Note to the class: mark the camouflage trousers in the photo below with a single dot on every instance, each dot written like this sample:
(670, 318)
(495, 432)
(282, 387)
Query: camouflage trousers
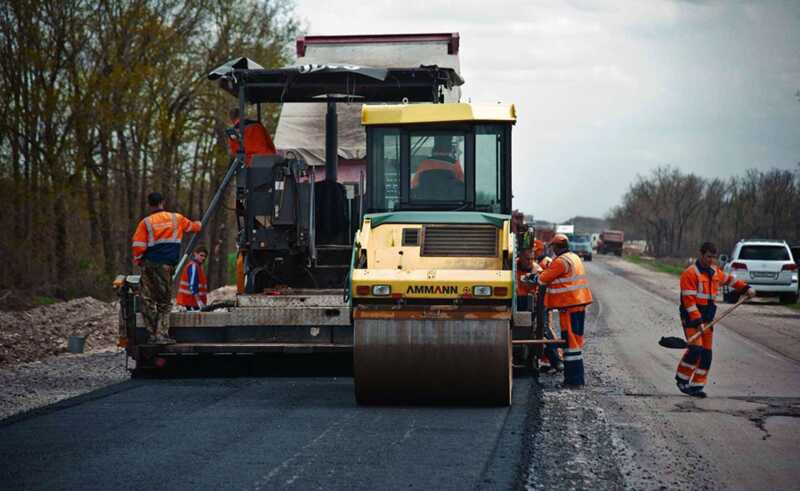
(156, 295)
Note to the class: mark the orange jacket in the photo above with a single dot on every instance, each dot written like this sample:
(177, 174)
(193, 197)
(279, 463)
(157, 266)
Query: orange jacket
(567, 285)
(524, 289)
(699, 288)
(545, 262)
(256, 140)
(434, 164)
(158, 237)
(193, 286)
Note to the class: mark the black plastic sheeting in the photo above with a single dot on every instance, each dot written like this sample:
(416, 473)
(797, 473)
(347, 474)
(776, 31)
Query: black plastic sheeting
(320, 83)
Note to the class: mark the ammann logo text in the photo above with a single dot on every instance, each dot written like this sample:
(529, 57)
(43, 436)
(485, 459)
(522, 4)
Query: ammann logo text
(432, 290)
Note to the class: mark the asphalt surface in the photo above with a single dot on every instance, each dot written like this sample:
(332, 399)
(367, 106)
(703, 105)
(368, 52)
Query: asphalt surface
(743, 436)
(293, 423)
(292, 427)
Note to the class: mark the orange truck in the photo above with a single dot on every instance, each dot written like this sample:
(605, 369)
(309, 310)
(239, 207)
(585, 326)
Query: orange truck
(611, 242)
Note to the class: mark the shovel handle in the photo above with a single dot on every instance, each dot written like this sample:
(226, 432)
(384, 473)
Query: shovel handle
(699, 333)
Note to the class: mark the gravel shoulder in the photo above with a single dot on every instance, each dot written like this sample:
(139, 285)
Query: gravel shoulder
(28, 386)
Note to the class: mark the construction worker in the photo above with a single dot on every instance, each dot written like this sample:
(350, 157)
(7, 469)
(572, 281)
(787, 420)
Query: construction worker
(193, 287)
(526, 295)
(441, 158)
(542, 259)
(699, 286)
(156, 249)
(568, 292)
(256, 139)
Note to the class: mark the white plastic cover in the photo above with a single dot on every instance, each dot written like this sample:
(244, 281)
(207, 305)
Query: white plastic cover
(301, 126)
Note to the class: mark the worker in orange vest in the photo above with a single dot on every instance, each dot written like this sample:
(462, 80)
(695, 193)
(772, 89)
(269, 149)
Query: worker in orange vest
(156, 248)
(568, 291)
(256, 139)
(441, 158)
(699, 287)
(526, 294)
(542, 259)
(193, 287)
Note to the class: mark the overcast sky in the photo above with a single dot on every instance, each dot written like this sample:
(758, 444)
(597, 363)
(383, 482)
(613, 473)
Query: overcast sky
(607, 90)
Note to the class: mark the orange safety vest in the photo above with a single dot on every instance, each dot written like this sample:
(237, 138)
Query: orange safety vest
(698, 291)
(524, 289)
(158, 237)
(256, 140)
(193, 273)
(567, 285)
(434, 164)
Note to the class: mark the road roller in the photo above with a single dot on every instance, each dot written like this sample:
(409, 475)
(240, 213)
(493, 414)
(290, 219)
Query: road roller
(433, 280)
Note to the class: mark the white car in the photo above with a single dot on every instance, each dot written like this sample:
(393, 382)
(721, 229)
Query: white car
(767, 266)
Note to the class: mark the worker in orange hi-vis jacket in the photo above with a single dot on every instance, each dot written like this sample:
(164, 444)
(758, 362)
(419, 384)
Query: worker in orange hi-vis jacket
(441, 158)
(541, 258)
(568, 292)
(526, 292)
(193, 286)
(156, 248)
(256, 139)
(699, 287)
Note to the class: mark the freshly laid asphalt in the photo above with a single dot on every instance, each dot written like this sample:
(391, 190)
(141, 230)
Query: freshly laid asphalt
(288, 428)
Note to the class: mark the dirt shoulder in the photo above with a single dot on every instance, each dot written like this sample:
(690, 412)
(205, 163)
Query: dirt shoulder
(763, 321)
(42, 332)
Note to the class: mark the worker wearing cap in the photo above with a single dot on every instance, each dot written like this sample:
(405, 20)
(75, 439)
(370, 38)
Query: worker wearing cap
(699, 286)
(568, 292)
(256, 139)
(441, 159)
(193, 287)
(156, 248)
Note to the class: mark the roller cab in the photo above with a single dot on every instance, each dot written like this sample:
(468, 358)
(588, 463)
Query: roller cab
(432, 278)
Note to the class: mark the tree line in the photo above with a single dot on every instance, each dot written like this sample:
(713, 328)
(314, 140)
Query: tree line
(105, 101)
(676, 211)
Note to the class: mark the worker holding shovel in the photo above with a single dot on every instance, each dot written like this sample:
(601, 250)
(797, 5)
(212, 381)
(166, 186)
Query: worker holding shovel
(699, 286)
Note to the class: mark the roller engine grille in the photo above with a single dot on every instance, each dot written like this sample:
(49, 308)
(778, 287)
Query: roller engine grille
(459, 241)
(411, 236)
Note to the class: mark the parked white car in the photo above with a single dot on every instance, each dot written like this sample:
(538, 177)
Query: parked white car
(767, 266)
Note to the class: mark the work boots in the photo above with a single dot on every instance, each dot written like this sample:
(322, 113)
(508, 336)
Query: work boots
(692, 391)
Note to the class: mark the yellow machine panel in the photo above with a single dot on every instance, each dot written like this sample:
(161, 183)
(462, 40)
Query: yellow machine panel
(436, 113)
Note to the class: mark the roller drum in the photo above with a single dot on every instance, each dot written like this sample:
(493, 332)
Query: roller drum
(432, 361)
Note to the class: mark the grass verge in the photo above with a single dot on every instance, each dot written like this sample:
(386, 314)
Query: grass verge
(655, 264)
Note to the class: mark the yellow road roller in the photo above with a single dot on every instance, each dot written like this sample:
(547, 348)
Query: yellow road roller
(432, 278)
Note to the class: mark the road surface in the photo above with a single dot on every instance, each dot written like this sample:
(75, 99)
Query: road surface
(294, 424)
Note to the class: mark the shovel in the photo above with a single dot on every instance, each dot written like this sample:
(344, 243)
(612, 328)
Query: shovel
(680, 343)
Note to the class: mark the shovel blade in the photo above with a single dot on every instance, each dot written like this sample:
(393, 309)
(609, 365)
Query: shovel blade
(673, 342)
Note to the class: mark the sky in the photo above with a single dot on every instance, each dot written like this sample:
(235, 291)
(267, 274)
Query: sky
(608, 90)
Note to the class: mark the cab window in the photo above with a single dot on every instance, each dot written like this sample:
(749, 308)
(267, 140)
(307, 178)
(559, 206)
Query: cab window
(436, 167)
(385, 171)
(489, 166)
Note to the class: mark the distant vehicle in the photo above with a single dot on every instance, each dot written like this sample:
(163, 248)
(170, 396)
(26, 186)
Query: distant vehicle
(582, 246)
(566, 229)
(610, 242)
(595, 239)
(767, 266)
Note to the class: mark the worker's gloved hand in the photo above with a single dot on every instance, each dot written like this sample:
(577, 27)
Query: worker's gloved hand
(531, 279)
(750, 293)
(200, 304)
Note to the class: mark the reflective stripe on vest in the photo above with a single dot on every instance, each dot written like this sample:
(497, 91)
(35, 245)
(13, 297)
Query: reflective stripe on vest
(571, 289)
(151, 237)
